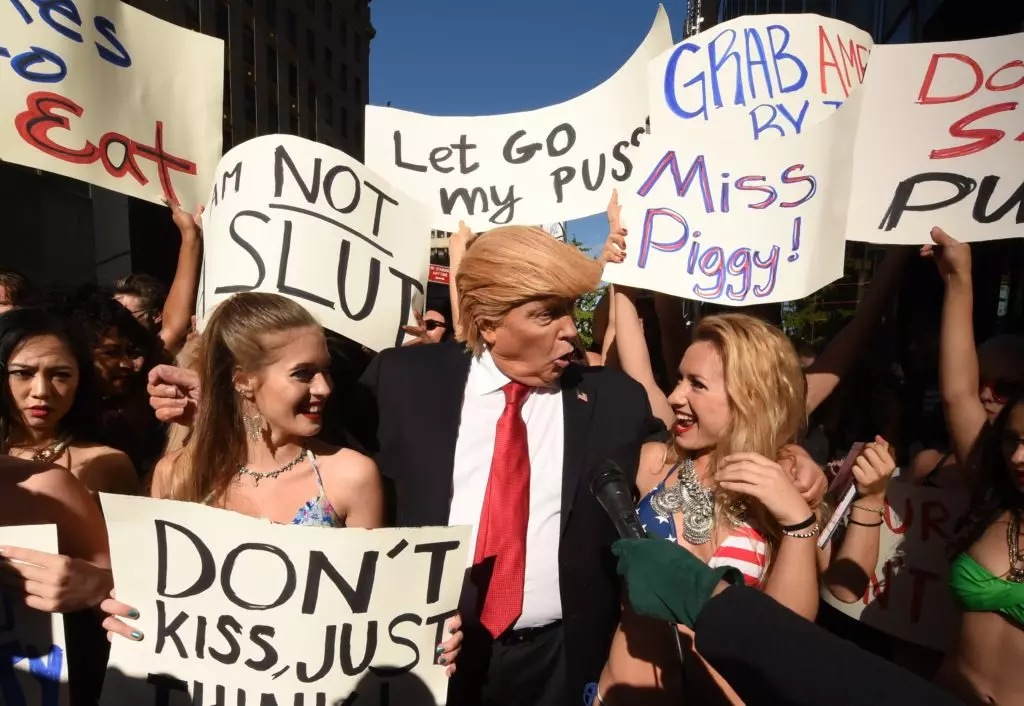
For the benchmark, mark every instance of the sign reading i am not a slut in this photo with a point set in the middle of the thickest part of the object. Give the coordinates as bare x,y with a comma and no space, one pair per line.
243,611
297,218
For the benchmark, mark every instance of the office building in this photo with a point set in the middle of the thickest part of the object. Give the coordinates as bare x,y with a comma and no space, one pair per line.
290,66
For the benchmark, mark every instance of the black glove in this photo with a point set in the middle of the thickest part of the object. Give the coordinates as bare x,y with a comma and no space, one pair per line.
667,582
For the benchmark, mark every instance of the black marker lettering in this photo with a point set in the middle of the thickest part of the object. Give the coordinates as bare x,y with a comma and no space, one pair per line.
562,176
258,636
469,200
437,551
229,566
905,189
261,269
207,572
570,139
405,642
440,155
508,206
440,619
358,598
988,186
237,174
463,149
372,284
282,273
525,154
282,158
589,183
381,198
165,630
398,156
345,651
329,191
225,624
408,285
618,154
302,672
164,685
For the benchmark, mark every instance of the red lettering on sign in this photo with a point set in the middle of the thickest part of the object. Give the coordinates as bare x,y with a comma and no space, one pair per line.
1015,64
983,137
39,118
934,514
924,97
908,517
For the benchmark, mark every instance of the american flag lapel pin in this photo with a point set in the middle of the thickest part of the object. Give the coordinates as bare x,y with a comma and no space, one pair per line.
581,396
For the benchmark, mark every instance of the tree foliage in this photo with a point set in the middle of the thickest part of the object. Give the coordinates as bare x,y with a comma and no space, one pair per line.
587,303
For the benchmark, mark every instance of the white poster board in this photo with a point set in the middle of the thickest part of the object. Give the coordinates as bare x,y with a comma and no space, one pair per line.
941,142
33,658
730,224
908,596
756,77
233,607
301,219
100,91
541,166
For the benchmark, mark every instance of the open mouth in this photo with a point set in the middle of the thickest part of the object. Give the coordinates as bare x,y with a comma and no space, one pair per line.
313,412
564,360
684,423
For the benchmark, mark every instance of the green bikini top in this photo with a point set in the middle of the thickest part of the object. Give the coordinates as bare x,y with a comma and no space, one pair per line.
979,590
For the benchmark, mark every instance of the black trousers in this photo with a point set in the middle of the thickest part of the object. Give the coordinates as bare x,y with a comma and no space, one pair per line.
523,668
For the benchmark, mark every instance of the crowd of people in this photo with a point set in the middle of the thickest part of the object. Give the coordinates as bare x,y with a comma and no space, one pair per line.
495,415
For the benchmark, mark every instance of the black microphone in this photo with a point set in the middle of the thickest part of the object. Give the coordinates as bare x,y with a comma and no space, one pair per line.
613,491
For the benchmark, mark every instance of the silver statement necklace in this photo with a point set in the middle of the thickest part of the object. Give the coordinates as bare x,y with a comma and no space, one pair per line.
688,496
257,476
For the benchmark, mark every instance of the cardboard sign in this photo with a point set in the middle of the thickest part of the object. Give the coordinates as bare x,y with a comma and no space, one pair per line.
237,609
33,666
542,166
908,595
941,142
733,224
757,76
301,219
100,91
439,274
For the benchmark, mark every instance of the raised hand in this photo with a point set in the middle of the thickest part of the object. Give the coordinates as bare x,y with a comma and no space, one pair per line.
418,332
808,477
764,480
952,257
190,224
873,470
615,246
173,393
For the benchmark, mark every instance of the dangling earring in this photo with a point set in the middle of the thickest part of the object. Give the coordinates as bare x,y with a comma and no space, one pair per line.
253,425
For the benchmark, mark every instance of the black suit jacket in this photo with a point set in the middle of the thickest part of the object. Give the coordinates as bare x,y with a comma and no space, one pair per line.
419,392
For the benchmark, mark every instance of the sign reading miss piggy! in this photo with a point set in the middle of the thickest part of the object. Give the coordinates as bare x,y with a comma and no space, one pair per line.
243,611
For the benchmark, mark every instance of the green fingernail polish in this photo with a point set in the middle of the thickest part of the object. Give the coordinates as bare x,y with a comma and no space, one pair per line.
440,649
136,635
133,614
443,661
452,631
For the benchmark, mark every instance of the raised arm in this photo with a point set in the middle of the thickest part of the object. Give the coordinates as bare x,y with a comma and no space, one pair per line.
959,376
457,245
842,351
633,356
181,299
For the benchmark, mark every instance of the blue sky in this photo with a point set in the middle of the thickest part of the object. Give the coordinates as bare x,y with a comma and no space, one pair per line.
479,57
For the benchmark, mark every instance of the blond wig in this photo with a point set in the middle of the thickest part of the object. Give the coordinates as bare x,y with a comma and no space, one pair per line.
510,266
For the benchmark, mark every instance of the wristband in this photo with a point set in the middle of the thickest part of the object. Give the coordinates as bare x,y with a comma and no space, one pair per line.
800,525
865,524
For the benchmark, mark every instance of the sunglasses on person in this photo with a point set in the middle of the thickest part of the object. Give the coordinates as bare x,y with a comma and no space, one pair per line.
1002,391
431,324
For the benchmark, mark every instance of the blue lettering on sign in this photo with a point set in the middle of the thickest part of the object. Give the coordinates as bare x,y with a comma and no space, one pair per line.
24,62
47,10
118,55
45,669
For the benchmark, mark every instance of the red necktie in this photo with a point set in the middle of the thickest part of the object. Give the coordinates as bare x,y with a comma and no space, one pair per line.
506,511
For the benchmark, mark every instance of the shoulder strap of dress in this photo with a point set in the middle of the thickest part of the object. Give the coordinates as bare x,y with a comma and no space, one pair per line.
316,472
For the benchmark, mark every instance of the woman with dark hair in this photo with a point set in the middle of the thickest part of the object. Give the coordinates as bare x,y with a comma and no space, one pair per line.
987,578
49,402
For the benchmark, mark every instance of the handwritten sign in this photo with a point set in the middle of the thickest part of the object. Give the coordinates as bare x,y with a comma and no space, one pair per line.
541,166
33,665
907,595
738,226
281,614
941,142
100,91
757,76
307,221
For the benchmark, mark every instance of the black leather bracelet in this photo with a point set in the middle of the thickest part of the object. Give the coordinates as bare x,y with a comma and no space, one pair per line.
865,524
800,525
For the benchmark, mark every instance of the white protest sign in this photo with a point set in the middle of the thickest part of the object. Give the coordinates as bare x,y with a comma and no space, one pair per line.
738,225
907,596
541,166
33,659
757,76
100,91
277,614
301,219
941,142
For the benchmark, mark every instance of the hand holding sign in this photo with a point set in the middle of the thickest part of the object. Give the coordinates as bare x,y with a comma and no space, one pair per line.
952,257
53,583
615,247
873,469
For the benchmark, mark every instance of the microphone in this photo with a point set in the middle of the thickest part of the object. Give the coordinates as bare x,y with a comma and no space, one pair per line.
611,489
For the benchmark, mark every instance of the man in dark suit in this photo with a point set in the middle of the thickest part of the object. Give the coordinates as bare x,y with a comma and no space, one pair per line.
504,436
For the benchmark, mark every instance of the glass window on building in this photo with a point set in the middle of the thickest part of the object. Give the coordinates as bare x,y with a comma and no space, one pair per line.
328,61
223,18
249,46
359,89
271,9
250,103
192,15
343,32
226,139
357,44
272,117
328,15
293,123
311,46
343,77
310,5
344,122
327,109
293,86
311,97
357,132
293,28
272,63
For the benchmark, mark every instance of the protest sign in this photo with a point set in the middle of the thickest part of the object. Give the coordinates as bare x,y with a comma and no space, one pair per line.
237,610
907,596
100,91
439,274
940,142
757,76
301,219
732,225
548,165
33,662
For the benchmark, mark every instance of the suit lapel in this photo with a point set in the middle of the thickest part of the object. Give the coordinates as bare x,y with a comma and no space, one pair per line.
578,404
449,389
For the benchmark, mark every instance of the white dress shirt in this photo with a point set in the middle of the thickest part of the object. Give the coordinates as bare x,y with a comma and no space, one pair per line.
482,406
